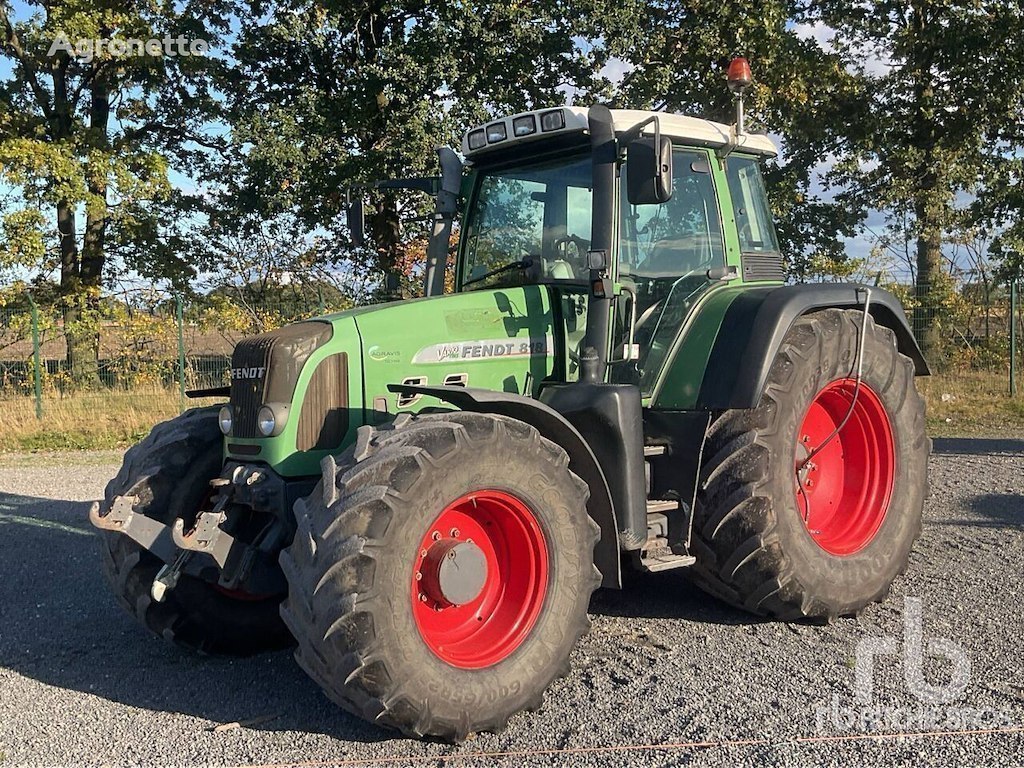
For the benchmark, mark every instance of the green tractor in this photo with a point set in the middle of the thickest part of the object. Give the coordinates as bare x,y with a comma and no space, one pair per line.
422,496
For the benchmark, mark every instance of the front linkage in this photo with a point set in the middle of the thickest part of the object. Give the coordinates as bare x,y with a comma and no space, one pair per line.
175,591
246,567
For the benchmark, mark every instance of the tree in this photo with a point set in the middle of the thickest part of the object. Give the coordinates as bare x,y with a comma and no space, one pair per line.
943,103
971,261
274,277
103,97
331,93
999,208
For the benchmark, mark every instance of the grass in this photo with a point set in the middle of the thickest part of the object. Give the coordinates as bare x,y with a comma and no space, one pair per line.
962,404
107,419
973,404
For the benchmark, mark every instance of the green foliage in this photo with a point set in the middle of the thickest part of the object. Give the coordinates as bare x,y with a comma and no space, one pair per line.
90,141
367,91
23,242
908,101
1008,248
940,118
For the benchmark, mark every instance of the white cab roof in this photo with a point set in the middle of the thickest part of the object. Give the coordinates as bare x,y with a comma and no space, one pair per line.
680,128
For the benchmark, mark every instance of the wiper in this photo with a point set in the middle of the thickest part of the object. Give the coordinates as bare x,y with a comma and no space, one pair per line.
522,264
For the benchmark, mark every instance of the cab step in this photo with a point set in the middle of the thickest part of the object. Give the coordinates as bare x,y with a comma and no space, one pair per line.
657,555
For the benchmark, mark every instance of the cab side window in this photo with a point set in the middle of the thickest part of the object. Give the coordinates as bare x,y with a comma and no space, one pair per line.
750,205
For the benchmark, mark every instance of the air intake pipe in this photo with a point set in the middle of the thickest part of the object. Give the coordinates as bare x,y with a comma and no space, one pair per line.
445,207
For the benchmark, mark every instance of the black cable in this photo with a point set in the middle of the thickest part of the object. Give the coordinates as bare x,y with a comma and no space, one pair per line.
849,411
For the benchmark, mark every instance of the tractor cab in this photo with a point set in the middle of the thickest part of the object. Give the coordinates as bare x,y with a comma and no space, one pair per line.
682,209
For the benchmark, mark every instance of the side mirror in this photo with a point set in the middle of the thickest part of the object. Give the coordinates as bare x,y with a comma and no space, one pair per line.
355,218
649,171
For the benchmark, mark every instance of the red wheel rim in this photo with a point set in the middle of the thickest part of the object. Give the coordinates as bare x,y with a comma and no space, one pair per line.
845,489
240,594
490,626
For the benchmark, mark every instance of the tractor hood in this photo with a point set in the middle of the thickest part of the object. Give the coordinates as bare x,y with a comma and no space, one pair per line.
322,379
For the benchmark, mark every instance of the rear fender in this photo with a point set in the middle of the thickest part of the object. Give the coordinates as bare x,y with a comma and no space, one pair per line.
758,320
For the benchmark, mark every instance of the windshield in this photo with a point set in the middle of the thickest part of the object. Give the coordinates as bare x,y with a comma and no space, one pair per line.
530,224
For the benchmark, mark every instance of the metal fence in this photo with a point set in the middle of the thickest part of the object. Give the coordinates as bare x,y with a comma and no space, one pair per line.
139,341
176,343
977,326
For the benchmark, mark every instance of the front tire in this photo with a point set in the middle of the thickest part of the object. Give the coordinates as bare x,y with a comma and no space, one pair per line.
170,473
441,572
829,540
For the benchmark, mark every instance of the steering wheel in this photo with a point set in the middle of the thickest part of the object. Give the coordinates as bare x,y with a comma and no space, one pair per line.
582,245
651,310
576,261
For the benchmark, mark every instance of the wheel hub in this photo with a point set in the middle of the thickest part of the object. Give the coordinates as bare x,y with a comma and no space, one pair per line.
479,579
453,572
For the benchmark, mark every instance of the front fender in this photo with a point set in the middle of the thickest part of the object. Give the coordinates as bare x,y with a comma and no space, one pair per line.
552,425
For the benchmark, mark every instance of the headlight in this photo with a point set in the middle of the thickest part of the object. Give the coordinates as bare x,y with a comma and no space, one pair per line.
524,126
477,139
266,421
224,418
552,121
271,419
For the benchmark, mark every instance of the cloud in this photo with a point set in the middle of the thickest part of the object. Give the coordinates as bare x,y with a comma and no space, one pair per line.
615,69
822,34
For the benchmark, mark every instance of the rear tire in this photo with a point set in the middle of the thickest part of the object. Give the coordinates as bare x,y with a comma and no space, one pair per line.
170,471
383,644
863,503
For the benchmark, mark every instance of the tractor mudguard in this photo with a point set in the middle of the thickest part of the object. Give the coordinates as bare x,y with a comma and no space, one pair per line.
757,321
556,428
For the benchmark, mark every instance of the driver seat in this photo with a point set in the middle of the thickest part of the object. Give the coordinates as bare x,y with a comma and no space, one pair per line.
558,269
678,255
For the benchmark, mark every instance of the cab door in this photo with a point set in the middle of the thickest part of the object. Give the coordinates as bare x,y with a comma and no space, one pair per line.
665,253
531,225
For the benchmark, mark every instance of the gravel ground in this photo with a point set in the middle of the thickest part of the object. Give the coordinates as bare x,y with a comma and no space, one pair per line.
81,684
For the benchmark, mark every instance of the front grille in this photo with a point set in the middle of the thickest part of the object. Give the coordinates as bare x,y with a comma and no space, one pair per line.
763,266
265,369
323,421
